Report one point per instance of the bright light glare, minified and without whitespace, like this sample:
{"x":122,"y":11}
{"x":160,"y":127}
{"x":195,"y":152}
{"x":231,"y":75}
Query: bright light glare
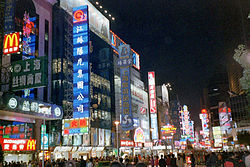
{"x":97,"y":3}
{"x":109,"y":15}
{"x":105,"y":11}
{"x":117,"y":123}
{"x":113,"y":18}
{"x":101,"y":7}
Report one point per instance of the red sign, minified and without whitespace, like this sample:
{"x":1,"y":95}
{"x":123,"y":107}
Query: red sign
{"x":152,"y":95}
{"x":18,"y":144}
{"x":126,"y":143}
{"x":11,"y":43}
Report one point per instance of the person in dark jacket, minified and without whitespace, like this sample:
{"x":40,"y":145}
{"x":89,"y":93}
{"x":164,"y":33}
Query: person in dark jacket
{"x":82,"y":162}
{"x":162,"y":162}
{"x":173,"y":161}
{"x":192,"y":160}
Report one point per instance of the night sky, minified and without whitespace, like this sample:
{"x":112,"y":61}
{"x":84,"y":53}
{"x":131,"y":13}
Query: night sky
{"x":181,"y":40}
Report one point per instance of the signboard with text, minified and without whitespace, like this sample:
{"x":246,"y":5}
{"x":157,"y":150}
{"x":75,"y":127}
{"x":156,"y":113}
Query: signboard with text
{"x":18,"y":144}
{"x":81,"y":74}
{"x":30,"y":73}
{"x":31,"y":107}
{"x":74,"y":126}
{"x":127,"y":122}
{"x":116,"y":42}
{"x":126,"y":143}
{"x":11,"y":43}
{"x":152,"y":105}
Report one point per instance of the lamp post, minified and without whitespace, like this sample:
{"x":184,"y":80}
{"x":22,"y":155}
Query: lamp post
{"x":44,"y":109}
{"x":117,"y":137}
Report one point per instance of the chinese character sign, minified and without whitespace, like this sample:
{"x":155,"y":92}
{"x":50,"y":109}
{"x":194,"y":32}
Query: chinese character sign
{"x":29,"y":36}
{"x":11,"y":43}
{"x":152,"y":95}
{"x":126,"y":114}
{"x":74,"y":126}
{"x":152,"y":105}
{"x":9,"y":17}
{"x":30,"y":73}
{"x":81,"y":76}
{"x":9,"y":144}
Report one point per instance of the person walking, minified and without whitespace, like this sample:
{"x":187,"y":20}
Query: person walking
{"x":168,"y":161}
{"x":173,"y":161}
{"x":192,"y":160}
{"x":156,"y":161}
{"x":162,"y":162}
{"x":179,"y":161}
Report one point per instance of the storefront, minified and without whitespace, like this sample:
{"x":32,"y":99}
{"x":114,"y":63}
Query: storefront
{"x":18,"y":149}
{"x":97,"y":152}
{"x":126,"y":147}
{"x":84,"y":152}
{"x":62,"y":152}
{"x":20,"y":126}
{"x":159,"y":150}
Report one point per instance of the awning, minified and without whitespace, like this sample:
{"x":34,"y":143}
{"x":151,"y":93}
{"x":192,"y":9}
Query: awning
{"x":96,"y":149}
{"x":62,"y":148}
{"x":84,"y":149}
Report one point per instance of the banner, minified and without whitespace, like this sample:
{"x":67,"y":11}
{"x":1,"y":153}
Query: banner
{"x":30,"y":73}
{"x":124,"y":63}
{"x":81,"y":74}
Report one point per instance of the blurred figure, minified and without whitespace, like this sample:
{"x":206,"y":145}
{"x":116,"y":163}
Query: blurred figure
{"x":162,"y":162}
{"x":180,"y":161}
{"x":82,"y":162}
{"x":192,"y":160}
{"x":152,"y":161}
{"x":156,"y":161}
{"x":168,"y":161}
{"x":173,"y":161}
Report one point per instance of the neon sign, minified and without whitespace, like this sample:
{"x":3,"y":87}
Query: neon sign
{"x":74,"y":126}
{"x":152,"y":105}
{"x":18,"y":144}
{"x":29,"y":36}
{"x":12,"y":43}
{"x":116,"y":42}
{"x":81,"y":76}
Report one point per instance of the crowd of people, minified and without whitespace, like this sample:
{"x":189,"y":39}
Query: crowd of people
{"x":221,"y":159}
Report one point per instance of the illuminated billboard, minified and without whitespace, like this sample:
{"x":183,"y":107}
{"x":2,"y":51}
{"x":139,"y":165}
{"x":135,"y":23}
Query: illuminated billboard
{"x":168,"y":129}
{"x":217,"y":136}
{"x":152,"y":94}
{"x":152,"y":105}
{"x":9,"y":144}
{"x":98,"y":23}
{"x":29,"y":36}
{"x":81,"y":75}
{"x":127,"y":122}
{"x":74,"y":126}
{"x":116,"y":42}
{"x":225,"y":118}
{"x":204,"y":122}
{"x":11,"y":43}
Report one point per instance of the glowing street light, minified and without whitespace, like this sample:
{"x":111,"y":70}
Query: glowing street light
{"x":117,"y":139}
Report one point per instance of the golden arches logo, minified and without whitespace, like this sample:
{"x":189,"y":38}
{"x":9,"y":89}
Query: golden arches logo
{"x":11,"y":43}
{"x":31,"y":145}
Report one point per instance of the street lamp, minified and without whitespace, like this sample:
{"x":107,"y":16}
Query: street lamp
{"x":44,"y":110}
{"x":117,"y":139}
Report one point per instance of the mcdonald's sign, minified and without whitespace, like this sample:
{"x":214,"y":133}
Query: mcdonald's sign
{"x":9,"y":144}
{"x":12,"y":43}
{"x":31,"y":144}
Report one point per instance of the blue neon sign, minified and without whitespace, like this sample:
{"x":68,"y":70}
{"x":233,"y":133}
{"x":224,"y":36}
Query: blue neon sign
{"x":81,"y":76}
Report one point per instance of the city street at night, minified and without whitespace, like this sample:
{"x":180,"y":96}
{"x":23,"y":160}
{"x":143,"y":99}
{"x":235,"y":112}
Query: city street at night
{"x":113,"y":83}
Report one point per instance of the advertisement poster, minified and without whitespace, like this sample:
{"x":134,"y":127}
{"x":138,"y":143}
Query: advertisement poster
{"x":101,"y":137}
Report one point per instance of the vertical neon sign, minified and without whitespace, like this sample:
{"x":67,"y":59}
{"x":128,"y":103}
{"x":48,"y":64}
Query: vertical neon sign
{"x":81,"y":77}
{"x":153,"y":107}
{"x":124,"y":63}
